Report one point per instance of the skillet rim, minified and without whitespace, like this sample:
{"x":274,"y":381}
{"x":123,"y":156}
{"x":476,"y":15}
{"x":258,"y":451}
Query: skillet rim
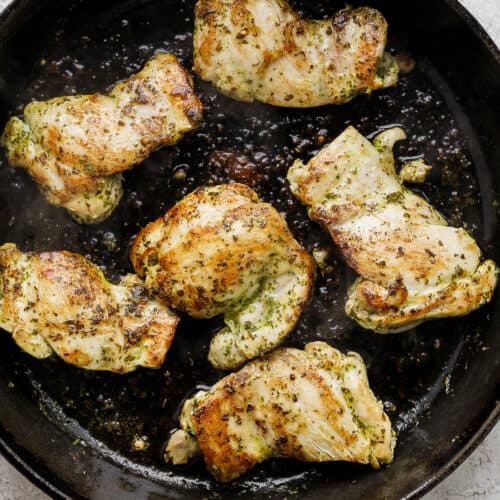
{"x":19,"y":458}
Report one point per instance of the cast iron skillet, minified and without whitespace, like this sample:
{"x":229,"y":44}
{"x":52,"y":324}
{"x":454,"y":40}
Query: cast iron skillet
{"x":72,"y":431}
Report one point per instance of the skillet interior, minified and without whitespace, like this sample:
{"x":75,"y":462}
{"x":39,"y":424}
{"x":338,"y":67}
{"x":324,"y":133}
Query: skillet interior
{"x":75,"y":428}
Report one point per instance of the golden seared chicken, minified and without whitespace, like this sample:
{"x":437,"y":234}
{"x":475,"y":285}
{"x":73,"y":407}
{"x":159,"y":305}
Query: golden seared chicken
{"x":60,"y":302}
{"x":314,"y":405}
{"x":413,"y":267}
{"x":221,"y":251}
{"x":262,"y":50}
{"x":75,"y":147}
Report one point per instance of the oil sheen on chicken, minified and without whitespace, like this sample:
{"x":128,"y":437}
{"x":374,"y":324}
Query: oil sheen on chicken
{"x":413,"y":267}
{"x":76,"y":146}
{"x":60,"y":302}
{"x":262,"y":50}
{"x":221,"y":251}
{"x":313,"y":405}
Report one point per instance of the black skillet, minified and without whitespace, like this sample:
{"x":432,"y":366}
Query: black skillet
{"x":72,"y":432}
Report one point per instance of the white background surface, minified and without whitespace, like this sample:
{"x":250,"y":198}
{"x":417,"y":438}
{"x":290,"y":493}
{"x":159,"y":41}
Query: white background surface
{"x":478,"y":477}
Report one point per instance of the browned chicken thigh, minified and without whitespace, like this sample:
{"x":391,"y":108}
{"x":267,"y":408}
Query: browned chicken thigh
{"x":222,"y":251}
{"x":314,"y":405}
{"x":262,"y":50}
{"x":413,"y":266}
{"x":76,"y":146}
{"x":60,"y":302}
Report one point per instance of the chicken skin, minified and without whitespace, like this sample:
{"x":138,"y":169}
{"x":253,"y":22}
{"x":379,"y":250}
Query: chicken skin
{"x":262,"y":50}
{"x":313,"y":405}
{"x":60,"y":302}
{"x":413,"y":267}
{"x":221,"y":251}
{"x":75,"y":147}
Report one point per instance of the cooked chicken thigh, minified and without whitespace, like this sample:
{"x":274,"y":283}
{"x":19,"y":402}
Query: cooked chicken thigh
{"x":262,"y":50}
{"x":75,"y":147}
{"x":60,"y":302}
{"x":314,"y":405}
{"x":413,"y":266}
{"x":221,"y":251}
